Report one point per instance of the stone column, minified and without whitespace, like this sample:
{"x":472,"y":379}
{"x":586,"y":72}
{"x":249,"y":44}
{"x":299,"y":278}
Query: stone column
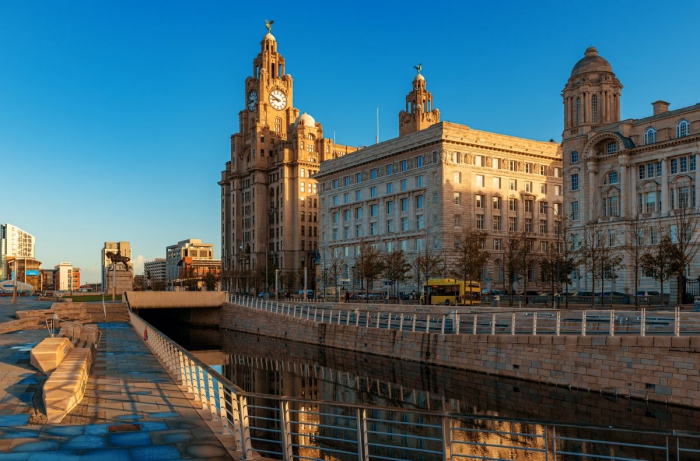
{"x":624,"y":196}
{"x":697,"y":183}
{"x":665,"y":188}
{"x":591,"y":185}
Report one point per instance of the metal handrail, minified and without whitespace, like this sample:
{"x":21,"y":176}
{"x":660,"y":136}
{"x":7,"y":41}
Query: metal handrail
{"x":490,"y":321}
{"x":445,"y":435}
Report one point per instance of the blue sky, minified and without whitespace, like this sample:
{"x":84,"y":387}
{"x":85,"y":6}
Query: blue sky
{"x":115,"y":116}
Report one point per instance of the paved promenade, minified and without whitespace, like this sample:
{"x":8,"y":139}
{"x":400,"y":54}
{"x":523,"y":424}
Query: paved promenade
{"x":132,"y":409}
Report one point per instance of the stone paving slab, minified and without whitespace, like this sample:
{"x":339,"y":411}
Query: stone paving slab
{"x":127,"y":386}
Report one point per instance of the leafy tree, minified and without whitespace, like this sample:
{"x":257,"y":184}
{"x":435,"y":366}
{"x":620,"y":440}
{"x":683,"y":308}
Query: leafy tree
{"x":662,"y":261}
{"x":396,"y":267}
{"x":472,"y":255}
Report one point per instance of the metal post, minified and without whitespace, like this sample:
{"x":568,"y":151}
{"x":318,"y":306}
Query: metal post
{"x":612,"y":322}
{"x":643,"y":325}
{"x":512,"y":323}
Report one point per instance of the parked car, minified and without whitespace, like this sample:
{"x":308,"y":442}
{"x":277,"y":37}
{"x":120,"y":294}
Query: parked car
{"x":309,"y":294}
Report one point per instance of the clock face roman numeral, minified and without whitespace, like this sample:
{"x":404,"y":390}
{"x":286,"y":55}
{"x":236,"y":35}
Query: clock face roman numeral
{"x":278,"y":100}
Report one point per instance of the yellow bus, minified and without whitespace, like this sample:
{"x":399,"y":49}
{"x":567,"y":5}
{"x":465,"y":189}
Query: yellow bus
{"x":451,"y":292}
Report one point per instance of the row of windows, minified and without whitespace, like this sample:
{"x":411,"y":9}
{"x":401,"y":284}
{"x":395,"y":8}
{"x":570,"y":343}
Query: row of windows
{"x":403,"y":166}
{"x":529,"y":205}
{"x":374,"y":209}
{"x":646,"y":170}
{"x":512,"y":165}
{"x":374,"y":190}
{"x":682,"y":130}
{"x":405,"y":225}
{"x":497,"y":223}
{"x":512,"y":184}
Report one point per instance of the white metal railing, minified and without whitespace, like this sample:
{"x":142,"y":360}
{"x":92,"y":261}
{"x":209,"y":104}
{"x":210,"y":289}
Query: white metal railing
{"x":492,"y":321}
{"x":290,"y":428}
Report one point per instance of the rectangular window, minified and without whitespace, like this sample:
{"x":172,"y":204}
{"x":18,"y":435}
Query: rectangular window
{"x":480,"y":222}
{"x":612,"y":239}
{"x":347,"y":215}
{"x":373,"y":210}
{"x":557,"y":172}
{"x":404,"y":165}
{"x":419,"y":222}
{"x":496,"y":203}
{"x":479,"y":200}
{"x":543,"y":170}
{"x":497,"y":226}
{"x":373,"y":173}
{"x":497,"y":244}
{"x":404,"y":224}
{"x":654,"y":236}
{"x":404,"y":204}
{"x":496,"y":183}
{"x":458,"y":198}
{"x":674,"y":166}
{"x":650,"y":170}
{"x":528,"y":225}
{"x":358,"y":213}
{"x":513,"y":184}
{"x":373,"y":228}
{"x":691,"y":161}
{"x":543,"y":188}
{"x":457,"y":177}
{"x":458,"y":220}
{"x":358,"y":178}
{"x":335,"y":200}
{"x":336,"y":217}
{"x":358,"y":195}
{"x":403,"y":185}
{"x":419,"y":202}
{"x":513,"y":204}
{"x":390,"y":225}
{"x":479,"y":180}
{"x":358,"y":230}
{"x":528,"y":186}
{"x":346,"y":232}
{"x":346,"y":197}
{"x":346,"y":180}
{"x":479,"y":160}
{"x":574,"y":181}
{"x":658,"y":166}
{"x":390,"y":207}
{"x":684,"y":164}
{"x":529,"y":206}
{"x":543,"y":208}
{"x":614,"y":206}
{"x":544,"y":247}
{"x":389,"y":188}
{"x":528,"y":168}
{"x":513,"y":224}
{"x":557,"y":191}
{"x":574,"y":211}
{"x":642,"y":172}
{"x":543,"y":226}
{"x":419,"y":162}
{"x":335,"y":184}
{"x":650,"y":202}
{"x":390,"y":169}
{"x":512,"y":165}
{"x":419,"y":181}
{"x":373,"y":191}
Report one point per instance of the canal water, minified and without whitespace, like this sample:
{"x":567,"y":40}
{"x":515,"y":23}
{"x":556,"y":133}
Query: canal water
{"x":271,"y":366}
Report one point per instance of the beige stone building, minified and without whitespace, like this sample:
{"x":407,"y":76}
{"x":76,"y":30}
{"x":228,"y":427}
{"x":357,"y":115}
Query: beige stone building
{"x":437,"y":178}
{"x":189,"y":259}
{"x":618,"y":172}
{"x":269,"y":201}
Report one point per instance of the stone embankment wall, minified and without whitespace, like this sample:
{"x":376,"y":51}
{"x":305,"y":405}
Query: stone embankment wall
{"x":662,"y":369}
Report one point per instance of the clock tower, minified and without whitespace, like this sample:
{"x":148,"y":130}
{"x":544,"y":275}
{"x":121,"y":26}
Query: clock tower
{"x":269,"y":199}
{"x":419,"y":113}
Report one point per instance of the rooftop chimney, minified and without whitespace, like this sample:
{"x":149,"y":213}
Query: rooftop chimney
{"x":660,"y":107}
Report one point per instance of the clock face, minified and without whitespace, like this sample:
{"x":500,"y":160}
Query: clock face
{"x":278,"y":100}
{"x":252,"y":100}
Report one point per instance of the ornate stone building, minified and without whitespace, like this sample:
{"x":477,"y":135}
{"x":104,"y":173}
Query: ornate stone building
{"x":269,"y":200}
{"x":622,"y":174}
{"x":433,"y":181}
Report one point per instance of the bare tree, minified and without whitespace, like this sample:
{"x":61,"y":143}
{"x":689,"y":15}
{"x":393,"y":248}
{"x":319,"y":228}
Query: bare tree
{"x":396,"y":268}
{"x":471,"y":255}
{"x":662,"y":261}
{"x":370,"y":265}
{"x":685,"y":237}
{"x":428,"y":264}
{"x":635,"y":230}
{"x":335,"y":269}
{"x":601,"y":258}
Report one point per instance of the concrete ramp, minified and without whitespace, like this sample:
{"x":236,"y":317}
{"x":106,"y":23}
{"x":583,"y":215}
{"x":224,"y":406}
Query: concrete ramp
{"x":170,"y":299}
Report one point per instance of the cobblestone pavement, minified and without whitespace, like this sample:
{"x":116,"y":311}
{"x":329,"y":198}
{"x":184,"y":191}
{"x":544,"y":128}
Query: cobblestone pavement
{"x":132,"y":409}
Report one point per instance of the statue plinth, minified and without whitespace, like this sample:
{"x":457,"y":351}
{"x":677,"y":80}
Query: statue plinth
{"x":124,"y":281}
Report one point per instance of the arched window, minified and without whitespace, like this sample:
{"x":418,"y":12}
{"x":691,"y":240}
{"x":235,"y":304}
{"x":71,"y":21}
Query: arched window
{"x":650,"y":135}
{"x":574,"y":156}
{"x":594,"y":108}
{"x":278,"y":124}
{"x":683,"y":128}
{"x":578,"y":111}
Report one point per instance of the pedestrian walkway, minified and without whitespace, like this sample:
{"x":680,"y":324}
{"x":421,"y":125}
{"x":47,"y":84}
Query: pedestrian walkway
{"x":132,"y":409}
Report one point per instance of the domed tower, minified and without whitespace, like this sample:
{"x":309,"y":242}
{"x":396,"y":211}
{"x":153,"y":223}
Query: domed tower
{"x":591,"y":96}
{"x":419,"y":113}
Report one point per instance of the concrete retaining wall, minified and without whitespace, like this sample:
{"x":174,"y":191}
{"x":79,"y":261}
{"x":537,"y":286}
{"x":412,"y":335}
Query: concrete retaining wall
{"x":182,"y":299}
{"x":663,"y":369}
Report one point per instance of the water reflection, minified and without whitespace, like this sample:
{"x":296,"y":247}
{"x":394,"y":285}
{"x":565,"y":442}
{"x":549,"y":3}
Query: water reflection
{"x":311,"y":374}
